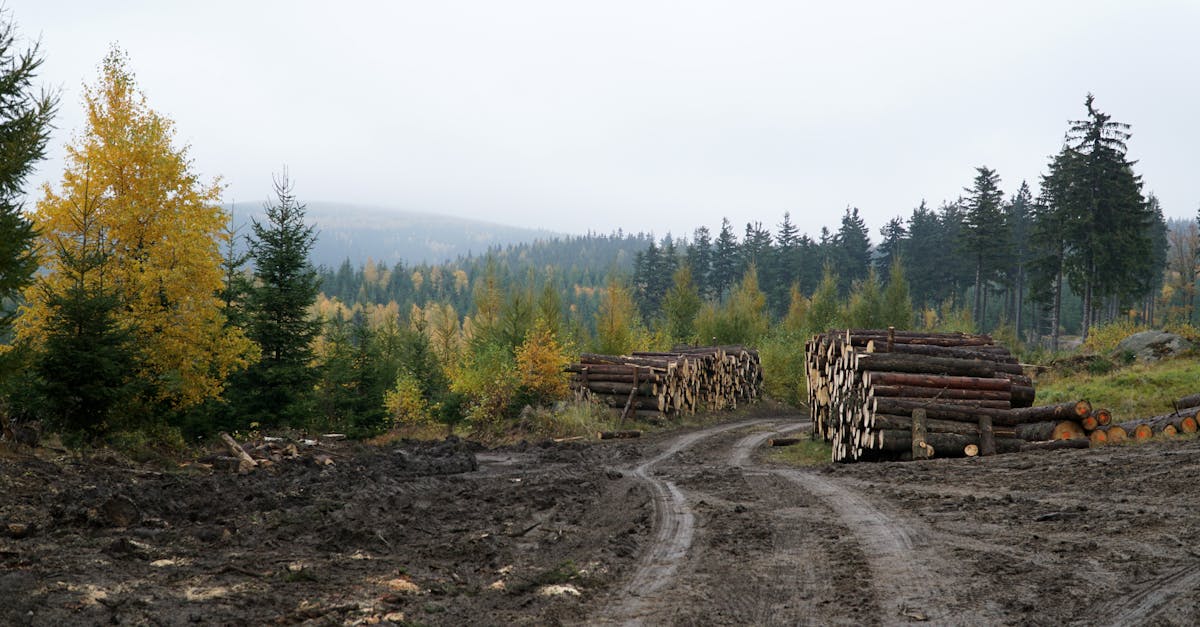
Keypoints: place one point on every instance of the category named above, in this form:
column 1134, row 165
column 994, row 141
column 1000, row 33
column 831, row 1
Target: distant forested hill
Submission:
column 358, row 233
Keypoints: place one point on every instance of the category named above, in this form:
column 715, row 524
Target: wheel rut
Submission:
column 674, row 529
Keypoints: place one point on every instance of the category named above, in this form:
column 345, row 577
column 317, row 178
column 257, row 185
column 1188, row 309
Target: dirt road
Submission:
column 685, row 528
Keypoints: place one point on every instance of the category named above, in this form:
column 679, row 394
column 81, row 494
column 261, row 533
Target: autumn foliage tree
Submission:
column 164, row 226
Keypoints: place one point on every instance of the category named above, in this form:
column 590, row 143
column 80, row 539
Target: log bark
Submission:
column 943, row 444
column 619, row 435
column 1055, row 445
column 889, row 421
column 1059, row 411
column 1050, row 430
column 917, row 364
column 989, row 353
column 245, row 462
column 919, row 437
column 906, row 391
column 987, row 439
column 941, row 411
column 873, row 378
column 1191, row 400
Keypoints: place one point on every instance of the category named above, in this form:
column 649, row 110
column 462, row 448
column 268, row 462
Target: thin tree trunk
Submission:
column 978, row 280
column 1058, row 284
column 1020, row 299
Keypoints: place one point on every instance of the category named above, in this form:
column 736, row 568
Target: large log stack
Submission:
column 678, row 382
column 867, row 388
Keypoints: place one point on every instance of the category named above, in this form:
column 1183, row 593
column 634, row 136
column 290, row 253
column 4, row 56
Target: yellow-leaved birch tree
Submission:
column 164, row 228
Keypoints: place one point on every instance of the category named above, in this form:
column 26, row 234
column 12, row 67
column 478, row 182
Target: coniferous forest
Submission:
column 133, row 306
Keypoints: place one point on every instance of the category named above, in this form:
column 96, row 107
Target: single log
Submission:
column 1054, row 445
column 1116, row 433
column 1050, row 430
column 917, row 364
column 1169, row 430
column 1103, row 417
column 873, row 378
column 889, row 421
column 783, row 441
column 1089, row 423
column 944, row 444
column 1060, row 411
column 610, row 387
column 611, row 369
column 245, row 462
column 1098, row 437
column 949, row 393
column 619, row 435
column 990, row 353
column 1191, row 400
column 940, row 410
column 1023, row 395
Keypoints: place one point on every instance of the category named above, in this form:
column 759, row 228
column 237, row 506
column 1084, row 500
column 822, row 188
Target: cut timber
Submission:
column 918, row 364
column 919, row 441
column 944, row 444
column 1050, row 430
column 1141, row 431
column 874, row 378
column 1098, row 437
column 783, row 441
column 245, row 462
column 1061, row 411
column 941, row 411
column 1089, row 423
column 987, row 439
column 928, row 392
column 1103, row 417
column 618, row 435
column 1169, row 430
column 889, row 421
column 1191, row 400
column 1116, row 434
column 1054, row 445
column 990, row 353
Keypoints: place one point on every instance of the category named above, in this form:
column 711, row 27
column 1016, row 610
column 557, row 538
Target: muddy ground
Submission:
column 694, row 527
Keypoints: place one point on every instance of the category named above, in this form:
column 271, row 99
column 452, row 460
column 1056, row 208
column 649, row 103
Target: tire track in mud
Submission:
column 674, row 528
column 904, row 583
column 1152, row 598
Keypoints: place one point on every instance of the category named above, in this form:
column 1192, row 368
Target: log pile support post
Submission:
column 987, row 438
column 920, row 449
column 629, row 402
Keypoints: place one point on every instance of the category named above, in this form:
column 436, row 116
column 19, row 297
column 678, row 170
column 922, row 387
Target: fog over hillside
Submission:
column 357, row 232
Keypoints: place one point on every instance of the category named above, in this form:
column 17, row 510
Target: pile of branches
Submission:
column 678, row 382
column 889, row 395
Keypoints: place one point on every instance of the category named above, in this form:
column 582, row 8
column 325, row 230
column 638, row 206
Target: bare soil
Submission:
column 691, row 527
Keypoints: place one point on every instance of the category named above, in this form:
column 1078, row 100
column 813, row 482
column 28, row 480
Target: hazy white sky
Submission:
column 641, row 115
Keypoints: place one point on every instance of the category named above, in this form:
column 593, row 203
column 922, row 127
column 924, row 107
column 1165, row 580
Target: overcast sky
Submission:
column 655, row 116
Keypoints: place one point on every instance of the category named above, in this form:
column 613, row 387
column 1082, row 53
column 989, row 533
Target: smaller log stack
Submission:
column 678, row 382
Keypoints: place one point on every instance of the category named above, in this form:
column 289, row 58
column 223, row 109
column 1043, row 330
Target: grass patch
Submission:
column 806, row 453
column 1137, row 391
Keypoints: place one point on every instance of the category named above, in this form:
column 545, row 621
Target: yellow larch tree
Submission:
column 165, row 228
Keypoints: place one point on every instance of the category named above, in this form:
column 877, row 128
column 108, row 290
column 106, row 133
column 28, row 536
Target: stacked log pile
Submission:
column 679, row 382
column 1184, row 420
column 886, row 394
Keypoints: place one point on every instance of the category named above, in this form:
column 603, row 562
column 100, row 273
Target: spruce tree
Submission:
column 278, row 390
column 24, row 130
column 725, row 261
column 852, row 249
column 699, row 259
column 984, row 236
